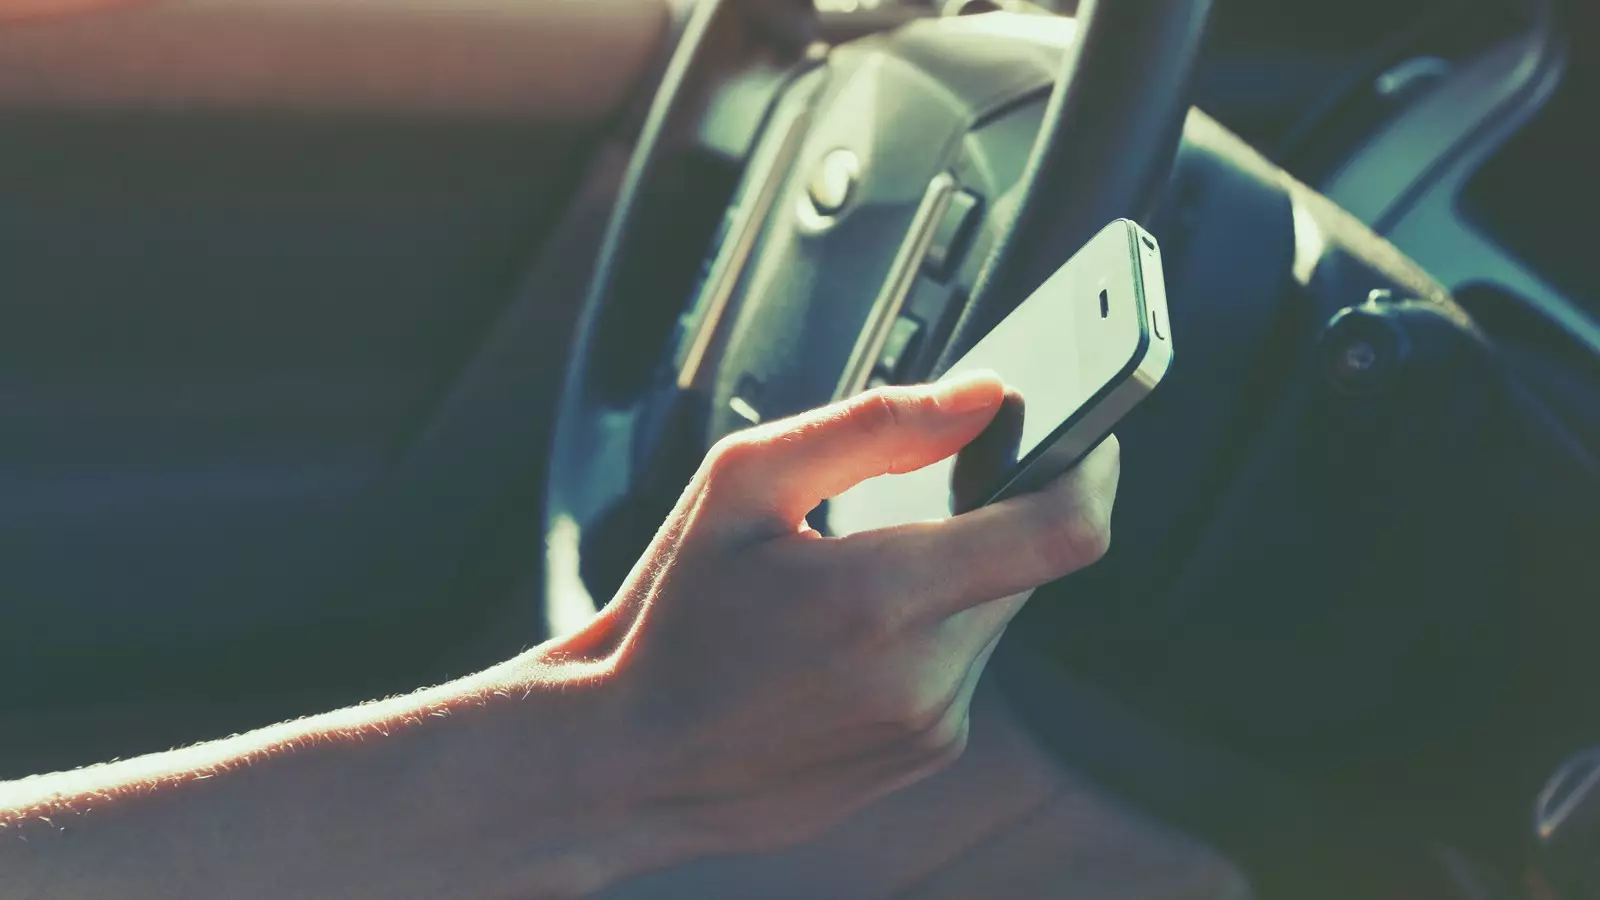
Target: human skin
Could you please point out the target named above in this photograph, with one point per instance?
(752, 684)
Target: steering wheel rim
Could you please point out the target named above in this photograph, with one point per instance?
(1122, 152)
(1110, 129)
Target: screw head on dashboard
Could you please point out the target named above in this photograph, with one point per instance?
(1364, 347)
(833, 181)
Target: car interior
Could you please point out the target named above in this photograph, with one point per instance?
(350, 346)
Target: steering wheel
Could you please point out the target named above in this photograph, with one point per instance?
(905, 192)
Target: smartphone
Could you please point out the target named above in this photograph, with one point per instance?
(1082, 351)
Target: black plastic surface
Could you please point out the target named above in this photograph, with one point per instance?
(1369, 594)
(1103, 151)
(216, 336)
(1538, 195)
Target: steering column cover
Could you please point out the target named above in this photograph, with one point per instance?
(1097, 157)
(902, 105)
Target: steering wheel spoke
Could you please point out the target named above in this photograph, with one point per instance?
(836, 258)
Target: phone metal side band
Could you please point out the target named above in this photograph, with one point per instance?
(1100, 415)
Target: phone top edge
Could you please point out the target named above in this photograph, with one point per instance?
(1153, 294)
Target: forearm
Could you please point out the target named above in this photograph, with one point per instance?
(751, 685)
(483, 788)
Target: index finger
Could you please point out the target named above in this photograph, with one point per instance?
(773, 475)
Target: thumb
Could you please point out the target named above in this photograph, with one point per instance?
(770, 477)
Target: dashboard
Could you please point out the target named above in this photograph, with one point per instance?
(1456, 128)
(1459, 129)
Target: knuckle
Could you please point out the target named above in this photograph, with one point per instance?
(941, 737)
(894, 709)
(855, 592)
(947, 743)
(831, 587)
(880, 416)
(835, 584)
(888, 408)
(919, 721)
(923, 721)
(1076, 539)
(873, 622)
(876, 411)
(729, 457)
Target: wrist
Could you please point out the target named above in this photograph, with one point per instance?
(519, 782)
(545, 778)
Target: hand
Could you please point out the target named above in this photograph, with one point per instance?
(775, 680)
(752, 683)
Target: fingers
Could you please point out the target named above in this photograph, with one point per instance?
(981, 464)
(940, 568)
(766, 479)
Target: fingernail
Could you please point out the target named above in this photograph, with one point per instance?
(970, 392)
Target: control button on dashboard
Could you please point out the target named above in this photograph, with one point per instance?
(746, 400)
(833, 181)
(950, 234)
(899, 346)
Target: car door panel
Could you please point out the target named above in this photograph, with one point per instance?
(247, 247)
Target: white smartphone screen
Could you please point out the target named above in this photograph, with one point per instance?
(1074, 339)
